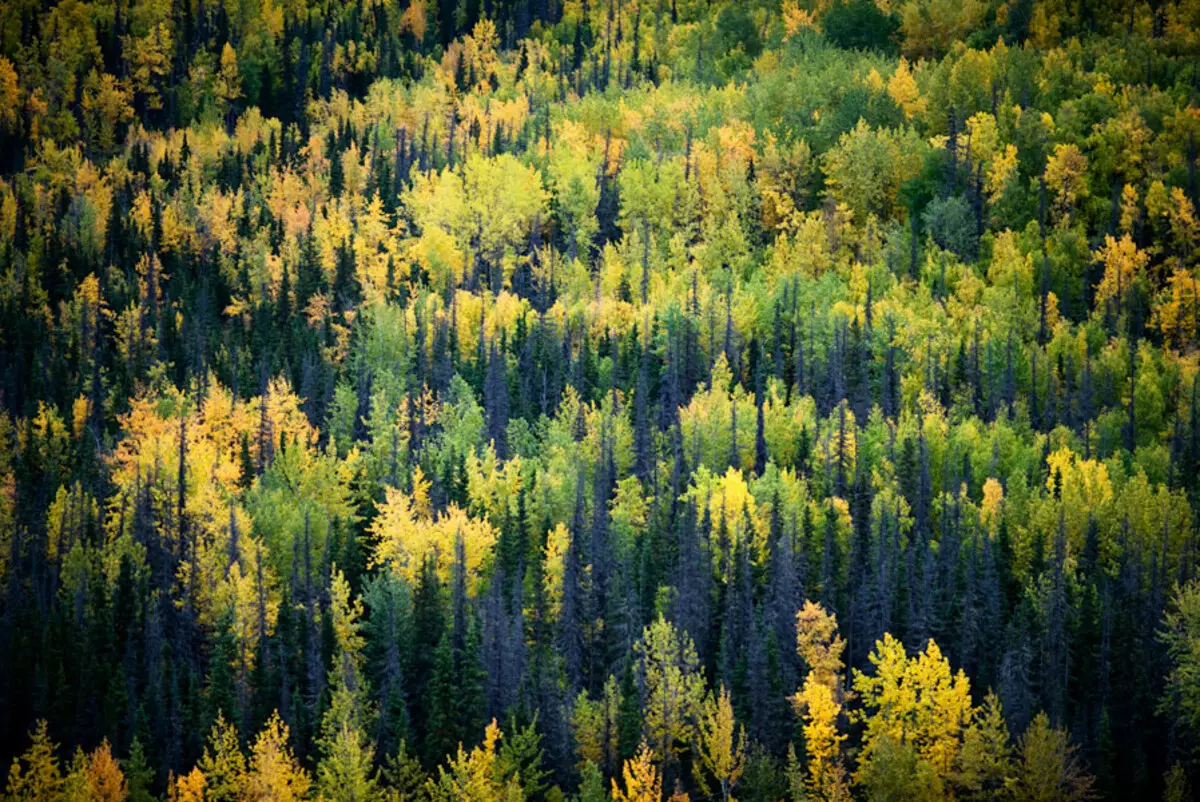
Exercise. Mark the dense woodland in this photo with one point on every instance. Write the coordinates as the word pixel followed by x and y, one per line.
pixel 545 400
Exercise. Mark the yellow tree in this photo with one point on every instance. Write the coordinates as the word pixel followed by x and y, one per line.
pixel 105 780
pixel 902 89
pixel 1123 264
pixel 188 788
pixel 148 49
pixel 105 109
pixel 228 84
pixel 819 702
pixel 10 97
pixel 1066 177
pixel 917 702
pixel 643 783
pixel 822 741
pixel 405 535
pixel 673 688
pixel 275 775
pixel 476 776
pixel 819 644
pixel 35 776
pixel 222 767
pixel 722 743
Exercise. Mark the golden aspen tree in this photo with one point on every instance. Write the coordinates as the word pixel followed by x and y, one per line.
pixel 641 778
pixel 476 776
pixel 10 96
pixel 222 767
pixel 1179 308
pixel 902 89
pixel 105 780
pixel 819 702
pixel 722 743
pixel 916 701
pixel 274 774
pixel 228 84
pixel 188 788
pixel 819 644
pixel 1066 178
pixel 1130 210
pixel 35 776
pixel 1123 264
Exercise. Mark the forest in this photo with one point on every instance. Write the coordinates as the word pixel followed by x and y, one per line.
pixel 599 400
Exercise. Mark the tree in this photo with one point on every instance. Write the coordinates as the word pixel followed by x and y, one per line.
pixel 895 773
pixel 521 758
pixel 403 778
pixel 819 702
pixel 188 788
pixel 1048 769
pixel 35 776
pixel 673 688
pixel 273 772
pixel 983 768
pixel 819 645
pixel 223 766
pixel 902 89
pixel 1123 264
pixel 105 780
pixel 1066 177
pixel 1180 635
pixel 106 108
pixel 642 780
pixel 915 701
pixel 138 773
pixel 595 725
pixel 860 25
pixel 722 743
pixel 346 772
pixel 10 96
pixel 476 776
pixel 868 166
pixel 228 84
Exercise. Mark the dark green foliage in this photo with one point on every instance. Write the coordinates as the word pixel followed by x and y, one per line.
pixel 860 25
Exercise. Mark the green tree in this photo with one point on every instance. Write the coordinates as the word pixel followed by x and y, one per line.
pixel 673 688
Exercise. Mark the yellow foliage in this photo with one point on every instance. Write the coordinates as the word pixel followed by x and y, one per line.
pixel 722 744
pixel 475 776
pixel 188 788
pixel 104 778
pixel 274 773
pixel 902 89
pixel 731 506
pixel 915 700
pixel 404 539
pixel 1123 264
pixel 642 780
pixel 1066 177
pixel 1130 212
pixel 991 507
pixel 1177 312
pixel 819 644
pixel 557 541
pixel 10 96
